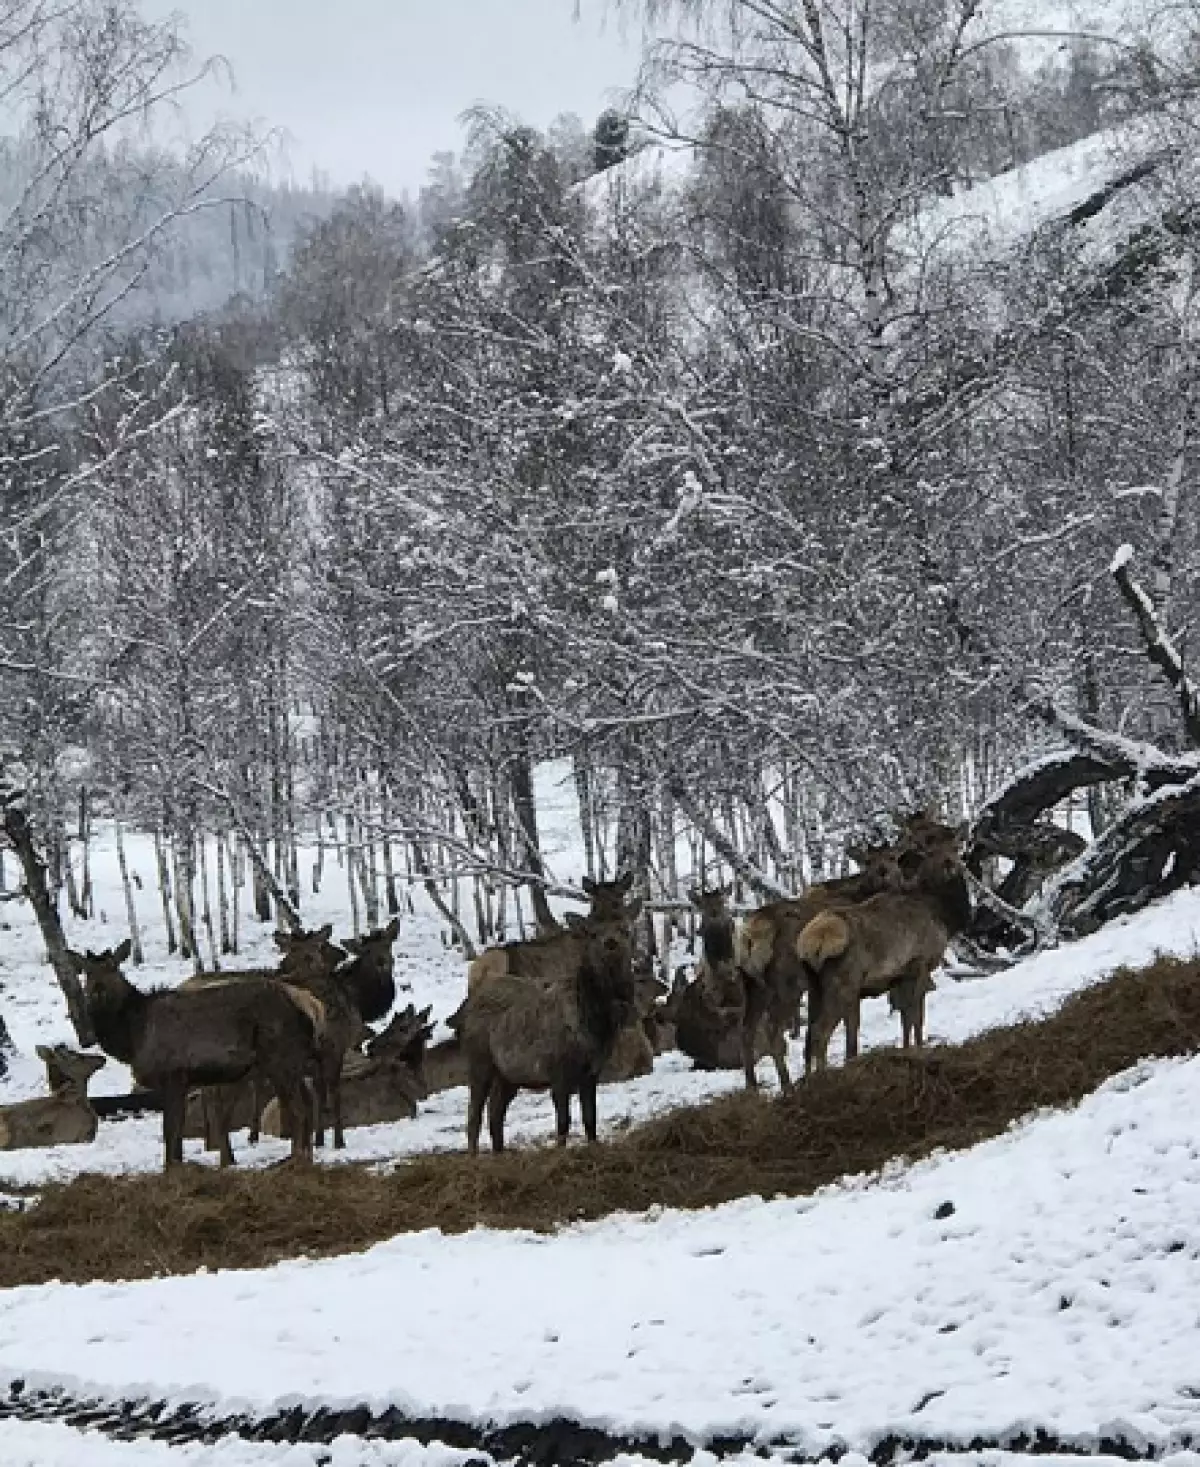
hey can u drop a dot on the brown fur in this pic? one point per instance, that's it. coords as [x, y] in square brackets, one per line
[307, 964]
[387, 1082]
[217, 1111]
[775, 978]
[62, 1118]
[555, 953]
[214, 1035]
[444, 1067]
[891, 942]
[519, 1033]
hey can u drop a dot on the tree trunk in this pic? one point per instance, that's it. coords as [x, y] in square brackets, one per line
[17, 829]
[525, 811]
[135, 932]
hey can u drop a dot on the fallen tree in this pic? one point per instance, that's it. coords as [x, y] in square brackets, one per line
[1058, 883]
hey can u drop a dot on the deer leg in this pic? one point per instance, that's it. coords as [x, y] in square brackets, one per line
[777, 1029]
[222, 1105]
[297, 1103]
[918, 1011]
[562, 1113]
[500, 1097]
[853, 1018]
[587, 1107]
[480, 1086]
[335, 1090]
[751, 1017]
[258, 1090]
[174, 1104]
[823, 1017]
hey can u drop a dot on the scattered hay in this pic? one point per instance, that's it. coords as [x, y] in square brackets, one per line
[887, 1105]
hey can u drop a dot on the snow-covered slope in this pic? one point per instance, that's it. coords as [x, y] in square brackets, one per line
[1045, 1280]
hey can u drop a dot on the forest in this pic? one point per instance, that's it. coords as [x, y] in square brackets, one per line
[807, 439]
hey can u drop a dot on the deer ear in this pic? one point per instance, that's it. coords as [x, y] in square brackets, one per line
[625, 882]
[326, 932]
[588, 885]
[633, 910]
[283, 940]
[694, 895]
[121, 954]
[392, 930]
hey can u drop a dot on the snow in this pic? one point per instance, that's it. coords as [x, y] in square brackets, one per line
[50, 1445]
[1059, 1293]
[1121, 559]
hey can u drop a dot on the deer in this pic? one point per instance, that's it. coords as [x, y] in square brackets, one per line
[369, 973]
[306, 965]
[384, 1084]
[709, 1011]
[772, 973]
[215, 1035]
[891, 943]
[544, 956]
[64, 1117]
[222, 1107]
[521, 1033]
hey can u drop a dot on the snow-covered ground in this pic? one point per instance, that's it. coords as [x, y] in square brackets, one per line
[1047, 1279]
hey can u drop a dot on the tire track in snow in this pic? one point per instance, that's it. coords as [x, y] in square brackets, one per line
[562, 1442]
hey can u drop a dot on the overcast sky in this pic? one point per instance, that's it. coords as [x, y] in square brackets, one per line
[374, 87]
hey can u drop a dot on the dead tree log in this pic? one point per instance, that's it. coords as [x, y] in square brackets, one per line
[1150, 850]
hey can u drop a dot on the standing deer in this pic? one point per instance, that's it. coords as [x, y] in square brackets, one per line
[771, 970]
[544, 956]
[892, 942]
[173, 1039]
[523, 1033]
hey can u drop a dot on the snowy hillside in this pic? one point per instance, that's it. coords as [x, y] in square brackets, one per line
[1043, 1282]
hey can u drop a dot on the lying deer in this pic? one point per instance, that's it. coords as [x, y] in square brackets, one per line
[890, 943]
[64, 1116]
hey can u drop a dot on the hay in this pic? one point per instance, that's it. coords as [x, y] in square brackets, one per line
[885, 1106]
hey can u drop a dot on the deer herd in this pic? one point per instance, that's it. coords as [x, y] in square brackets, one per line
[290, 1049]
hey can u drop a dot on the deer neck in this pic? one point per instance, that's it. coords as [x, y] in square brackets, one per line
[717, 940]
[950, 902]
[119, 1025]
[597, 1008]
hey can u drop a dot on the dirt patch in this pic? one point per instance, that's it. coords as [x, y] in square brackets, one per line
[887, 1105]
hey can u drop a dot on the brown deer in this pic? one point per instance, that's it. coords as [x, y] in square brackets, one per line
[633, 1053]
[219, 1110]
[384, 1084]
[173, 1039]
[306, 964]
[709, 1011]
[370, 972]
[772, 973]
[521, 1033]
[546, 955]
[64, 1117]
[892, 942]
